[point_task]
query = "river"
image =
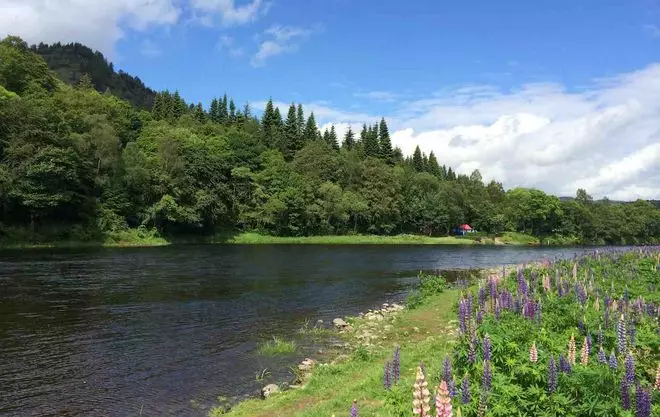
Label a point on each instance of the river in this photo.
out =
(165, 331)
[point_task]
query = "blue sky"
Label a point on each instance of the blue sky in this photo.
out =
(554, 94)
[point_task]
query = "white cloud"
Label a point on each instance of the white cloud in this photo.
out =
(150, 49)
(604, 138)
(99, 24)
(383, 96)
(279, 40)
(228, 43)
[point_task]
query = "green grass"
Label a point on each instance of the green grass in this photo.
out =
(277, 346)
(256, 238)
(515, 238)
(423, 333)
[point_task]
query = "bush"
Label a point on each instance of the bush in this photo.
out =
(429, 285)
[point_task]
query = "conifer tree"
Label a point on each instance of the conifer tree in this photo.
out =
(289, 143)
(326, 136)
(214, 111)
(433, 166)
(178, 106)
(232, 111)
(158, 108)
(199, 113)
(247, 111)
(334, 141)
(311, 130)
(269, 124)
(425, 160)
(223, 112)
(300, 125)
(371, 145)
(385, 142)
(349, 139)
(418, 160)
(451, 176)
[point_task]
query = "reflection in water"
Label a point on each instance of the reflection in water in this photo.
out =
(165, 331)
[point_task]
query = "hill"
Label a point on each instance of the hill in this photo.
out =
(71, 61)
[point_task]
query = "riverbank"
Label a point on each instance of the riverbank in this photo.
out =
(140, 239)
(577, 302)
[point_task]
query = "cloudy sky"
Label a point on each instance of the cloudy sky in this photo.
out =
(555, 94)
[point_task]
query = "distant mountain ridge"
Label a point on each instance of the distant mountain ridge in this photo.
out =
(71, 61)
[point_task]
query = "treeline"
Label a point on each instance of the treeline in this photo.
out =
(79, 164)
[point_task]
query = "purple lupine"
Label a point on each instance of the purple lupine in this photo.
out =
(580, 325)
(446, 375)
(480, 316)
(630, 369)
(492, 288)
(601, 356)
(625, 394)
(462, 313)
(498, 310)
(643, 404)
(564, 364)
(481, 297)
(396, 365)
(354, 409)
(589, 343)
(612, 361)
(472, 351)
(516, 305)
(466, 396)
(552, 375)
(600, 335)
(387, 375)
(487, 377)
(470, 305)
(621, 335)
(560, 288)
(486, 348)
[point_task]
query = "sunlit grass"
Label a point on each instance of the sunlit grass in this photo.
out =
(277, 346)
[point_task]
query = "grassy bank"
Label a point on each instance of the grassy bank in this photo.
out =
(577, 355)
(143, 238)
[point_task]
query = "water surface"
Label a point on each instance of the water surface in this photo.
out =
(165, 331)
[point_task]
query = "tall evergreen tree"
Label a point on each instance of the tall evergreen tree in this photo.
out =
(418, 160)
(178, 106)
(371, 145)
(300, 125)
(311, 130)
(385, 142)
(433, 166)
(270, 125)
(223, 112)
(158, 109)
(334, 141)
(289, 142)
(214, 114)
(199, 113)
(349, 139)
(451, 175)
(247, 111)
(425, 160)
(232, 111)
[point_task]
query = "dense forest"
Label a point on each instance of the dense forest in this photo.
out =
(95, 159)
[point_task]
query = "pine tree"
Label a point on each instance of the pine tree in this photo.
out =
(371, 145)
(223, 113)
(269, 125)
(311, 130)
(300, 125)
(418, 160)
(158, 108)
(85, 83)
(334, 141)
(349, 140)
(178, 106)
(247, 111)
(433, 166)
(363, 134)
(232, 111)
(199, 113)
(385, 142)
(326, 136)
(214, 111)
(289, 143)
(451, 176)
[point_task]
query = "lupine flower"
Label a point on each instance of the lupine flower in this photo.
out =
(589, 341)
(483, 405)
(354, 409)
(480, 316)
(597, 304)
(497, 309)
(462, 316)
(486, 348)
(481, 297)
(396, 365)
(421, 365)
(387, 376)
(442, 400)
(601, 356)
(466, 396)
(571, 350)
(492, 287)
(621, 335)
(625, 394)
(472, 351)
(612, 361)
(564, 365)
(630, 369)
(552, 375)
(546, 283)
(421, 395)
(631, 332)
(487, 377)
(615, 305)
(656, 386)
(446, 375)
(584, 353)
(533, 354)
(643, 403)
(600, 336)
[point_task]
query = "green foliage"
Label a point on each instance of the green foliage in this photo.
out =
(82, 158)
(277, 346)
(429, 286)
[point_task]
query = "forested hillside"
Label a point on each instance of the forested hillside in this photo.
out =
(76, 163)
(71, 61)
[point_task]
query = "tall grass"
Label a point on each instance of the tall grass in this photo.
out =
(277, 346)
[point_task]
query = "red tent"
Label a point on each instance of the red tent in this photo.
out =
(465, 227)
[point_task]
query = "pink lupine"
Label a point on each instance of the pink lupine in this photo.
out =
(421, 395)
(571, 350)
(443, 401)
(533, 353)
(656, 386)
(584, 353)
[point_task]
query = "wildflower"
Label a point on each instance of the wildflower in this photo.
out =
(584, 353)
(621, 335)
(481, 297)
(483, 405)
(486, 348)
(539, 312)
(466, 395)
(480, 316)
(552, 375)
(600, 336)
(564, 365)
(396, 365)
(533, 354)
(497, 309)
(597, 304)
(472, 351)
(630, 369)
(590, 344)
(601, 356)
(487, 377)
(446, 375)
(354, 409)
(631, 332)
(442, 400)
(656, 386)
(625, 394)
(421, 395)
(612, 361)
(546, 283)
(387, 376)
(643, 403)
(571, 350)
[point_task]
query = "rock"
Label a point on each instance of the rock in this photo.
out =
(269, 390)
(306, 365)
(319, 321)
(339, 323)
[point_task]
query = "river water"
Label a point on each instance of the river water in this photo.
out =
(165, 331)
